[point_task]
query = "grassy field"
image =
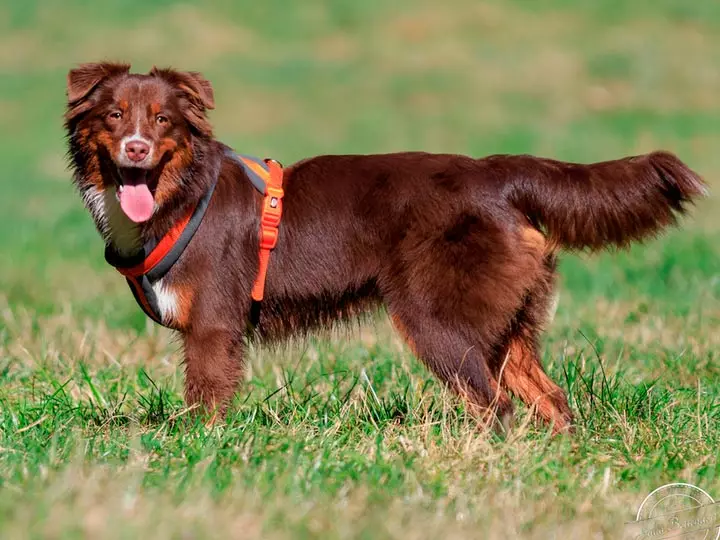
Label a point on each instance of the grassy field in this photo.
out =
(346, 435)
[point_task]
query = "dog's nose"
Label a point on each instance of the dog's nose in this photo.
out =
(137, 150)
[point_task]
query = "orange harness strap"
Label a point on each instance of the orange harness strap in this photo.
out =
(269, 222)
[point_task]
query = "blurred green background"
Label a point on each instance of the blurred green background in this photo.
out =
(583, 80)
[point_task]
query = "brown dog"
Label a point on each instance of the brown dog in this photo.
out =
(460, 251)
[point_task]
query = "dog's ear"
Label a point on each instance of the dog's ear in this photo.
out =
(85, 78)
(195, 91)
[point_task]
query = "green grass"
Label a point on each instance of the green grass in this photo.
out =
(346, 435)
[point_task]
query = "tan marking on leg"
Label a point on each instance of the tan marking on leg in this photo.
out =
(525, 377)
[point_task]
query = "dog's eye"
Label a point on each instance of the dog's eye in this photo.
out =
(160, 119)
(115, 115)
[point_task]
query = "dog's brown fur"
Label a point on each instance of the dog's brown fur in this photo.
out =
(461, 251)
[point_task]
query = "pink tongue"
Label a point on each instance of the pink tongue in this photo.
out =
(137, 202)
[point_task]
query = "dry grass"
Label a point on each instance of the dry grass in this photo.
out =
(427, 473)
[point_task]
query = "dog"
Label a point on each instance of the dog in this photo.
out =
(460, 251)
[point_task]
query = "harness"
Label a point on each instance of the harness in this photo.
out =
(149, 266)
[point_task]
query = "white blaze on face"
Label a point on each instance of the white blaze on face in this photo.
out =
(123, 160)
(136, 199)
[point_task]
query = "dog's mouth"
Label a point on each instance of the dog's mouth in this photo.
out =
(135, 194)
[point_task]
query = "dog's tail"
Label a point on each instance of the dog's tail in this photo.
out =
(601, 204)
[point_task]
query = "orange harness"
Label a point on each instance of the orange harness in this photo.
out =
(269, 218)
(148, 267)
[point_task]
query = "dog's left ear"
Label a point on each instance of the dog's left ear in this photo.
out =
(196, 91)
(83, 80)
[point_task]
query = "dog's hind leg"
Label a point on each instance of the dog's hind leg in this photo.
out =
(519, 362)
(525, 377)
(456, 292)
(461, 365)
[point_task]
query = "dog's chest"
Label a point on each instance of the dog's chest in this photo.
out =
(124, 235)
(167, 302)
(114, 226)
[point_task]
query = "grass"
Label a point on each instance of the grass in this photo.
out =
(346, 435)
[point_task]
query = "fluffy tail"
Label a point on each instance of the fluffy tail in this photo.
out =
(602, 204)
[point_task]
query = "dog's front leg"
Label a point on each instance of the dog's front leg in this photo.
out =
(213, 367)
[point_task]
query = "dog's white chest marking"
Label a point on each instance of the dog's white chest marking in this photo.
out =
(114, 226)
(167, 302)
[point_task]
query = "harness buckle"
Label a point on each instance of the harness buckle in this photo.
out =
(269, 223)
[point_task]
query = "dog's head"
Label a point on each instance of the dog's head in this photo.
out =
(133, 133)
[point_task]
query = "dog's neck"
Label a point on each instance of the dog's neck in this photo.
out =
(126, 237)
(116, 228)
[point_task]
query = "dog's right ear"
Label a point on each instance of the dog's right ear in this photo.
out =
(82, 80)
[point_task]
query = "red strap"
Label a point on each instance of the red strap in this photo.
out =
(269, 223)
(162, 249)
